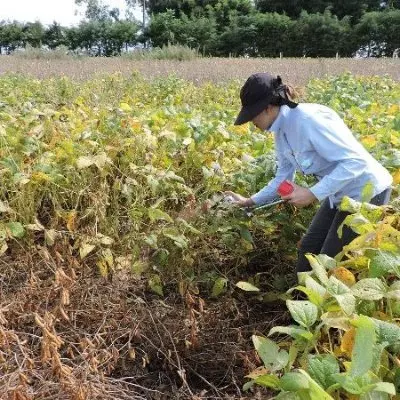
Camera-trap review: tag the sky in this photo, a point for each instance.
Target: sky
(65, 12)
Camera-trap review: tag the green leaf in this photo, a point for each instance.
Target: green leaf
(385, 262)
(245, 234)
(361, 360)
(349, 205)
(358, 223)
(336, 287)
(16, 229)
(294, 381)
(287, 396)
(372, 212)
(374, 395)
(321, 368)
(266, 349)
(396, 379)
(304, 313)
(293, 331)
(272, 356)
(179, 239)
(155, 214)
(369, 289)
(219, 287)
(352, 384)
(248, 385)
(315, 392)
(313, 290)
(385, 387)
(152, 240)
(327, 262)
(247, 287)
(368, 192)
(188, 226)
(155, 285)
(313, 296)
(386, 332)
(347, 302)
(269, 381)
(318, 268)
(315, 286)
(342, 294)
(394, 291)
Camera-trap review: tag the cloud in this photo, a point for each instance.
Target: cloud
(65, 12)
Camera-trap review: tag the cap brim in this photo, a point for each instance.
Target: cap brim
(247, 113)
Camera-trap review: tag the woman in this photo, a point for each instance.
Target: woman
(313, 140)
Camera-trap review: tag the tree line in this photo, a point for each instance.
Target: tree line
(265, 28)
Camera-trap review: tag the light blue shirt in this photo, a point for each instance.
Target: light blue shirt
(313, 140)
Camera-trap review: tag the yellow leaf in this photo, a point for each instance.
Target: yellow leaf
(257, 372)
(40, 177)
(125, 107)
(348, 341)
(394, 140)
(103, 268)
(344, 275)
(85, 249)
(396, 177)
(71, 221)
(369, 140)
(347, 366)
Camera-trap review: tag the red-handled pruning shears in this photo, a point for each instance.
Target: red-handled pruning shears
(284, 189)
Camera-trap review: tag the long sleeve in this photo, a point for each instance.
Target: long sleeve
(285, 171)
(333, 141)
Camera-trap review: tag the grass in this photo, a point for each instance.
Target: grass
(170, 52)
(295, 71)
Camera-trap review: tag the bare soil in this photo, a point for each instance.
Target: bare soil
(68, 333)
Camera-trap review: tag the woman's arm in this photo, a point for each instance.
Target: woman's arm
(335, 143)
(285, 171)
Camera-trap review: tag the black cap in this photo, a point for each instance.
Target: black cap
(258, 92)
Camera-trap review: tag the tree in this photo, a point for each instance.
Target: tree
(118, 35)
(262, 35)
(196, 32)
(320, 35)
(340, 8)
(33, 34)
(10, 36)
(96, 10)
(54, 36)
(378, 33)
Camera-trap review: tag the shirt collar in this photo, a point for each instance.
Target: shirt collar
(279, 119)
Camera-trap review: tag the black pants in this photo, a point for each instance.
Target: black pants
(322, 237)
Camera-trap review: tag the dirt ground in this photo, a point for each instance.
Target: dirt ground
(68, 333)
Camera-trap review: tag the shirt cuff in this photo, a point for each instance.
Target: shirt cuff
(261, 198)
(257, 198)
(319, 191)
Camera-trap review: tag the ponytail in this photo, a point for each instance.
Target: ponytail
(284, 94)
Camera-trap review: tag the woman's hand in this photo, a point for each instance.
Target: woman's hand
(240, 200)
(300, 197)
